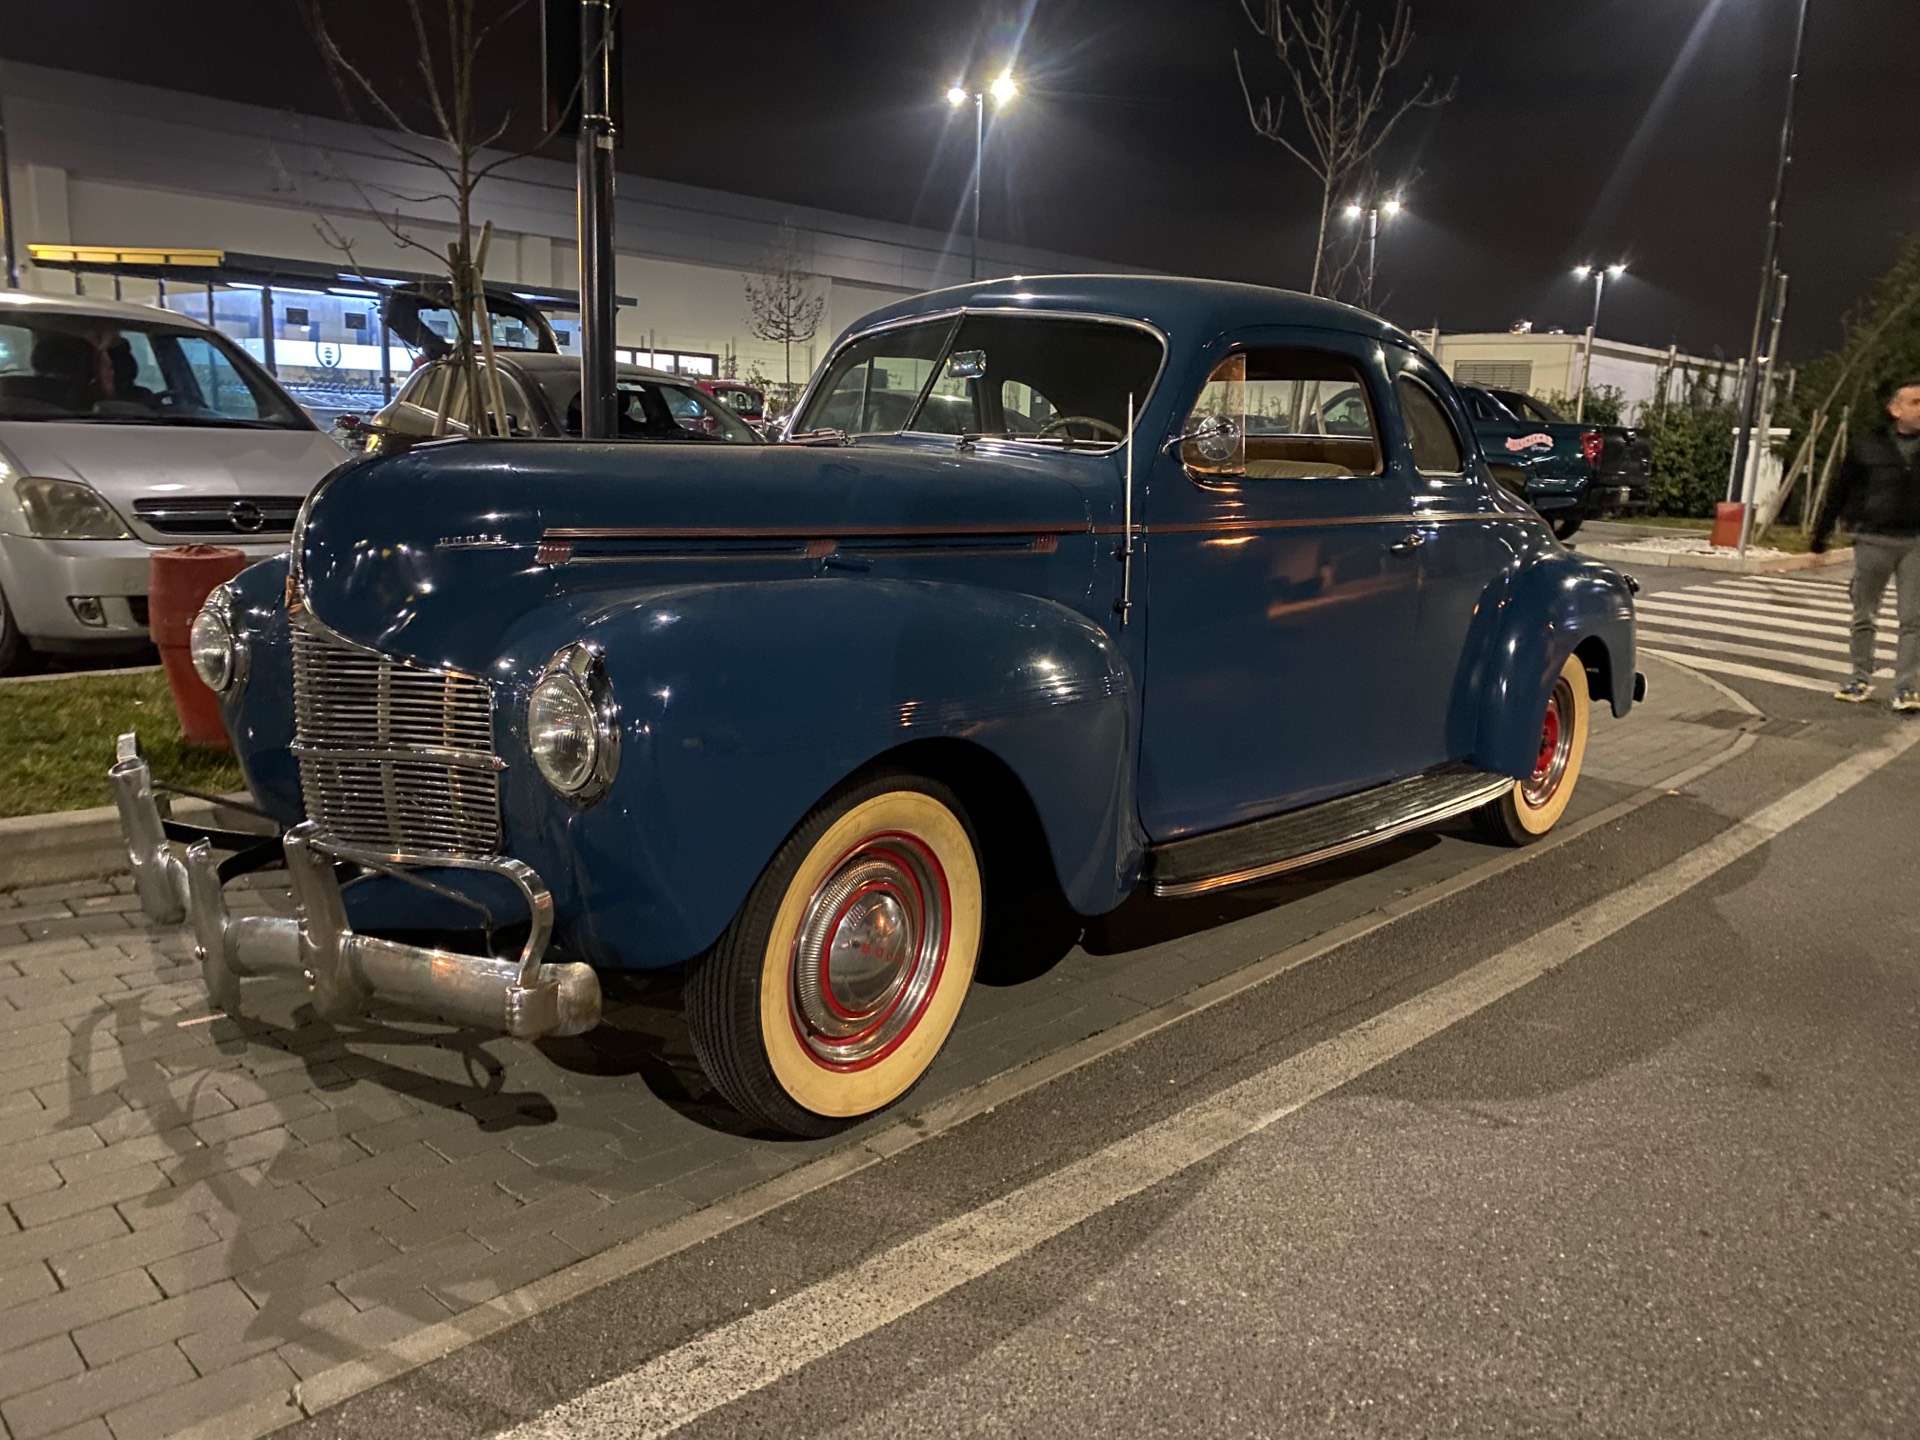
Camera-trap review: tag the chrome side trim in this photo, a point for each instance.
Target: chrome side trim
(1209, 883)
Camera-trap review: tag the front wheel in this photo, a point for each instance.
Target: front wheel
(1532, 807)
(835, 986)
(15, 657)
(1565, 527)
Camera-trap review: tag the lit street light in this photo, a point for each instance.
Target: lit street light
(1002, 90)
(1599, 275)
(1373, 210)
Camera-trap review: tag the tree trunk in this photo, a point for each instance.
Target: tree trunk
(1320, 239)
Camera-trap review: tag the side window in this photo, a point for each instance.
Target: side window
(1024, 409)
(1436, 448)
(1283, 414)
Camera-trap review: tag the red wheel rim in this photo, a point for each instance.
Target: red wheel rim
(1556, 748)
(868, 955)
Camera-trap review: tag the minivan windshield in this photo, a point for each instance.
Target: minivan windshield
(1057, 379)
(120, 370)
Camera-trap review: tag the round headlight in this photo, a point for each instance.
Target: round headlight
(560, 731)
(211, 644)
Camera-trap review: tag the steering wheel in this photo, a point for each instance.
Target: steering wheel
(1092, 422)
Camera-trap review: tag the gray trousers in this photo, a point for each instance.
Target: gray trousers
(1876, 560)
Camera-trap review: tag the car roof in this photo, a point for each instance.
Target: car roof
(88, 305)
(544, 362)
(1175, 305)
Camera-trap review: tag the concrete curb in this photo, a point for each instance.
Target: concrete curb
(84, 844)
(1660, 559)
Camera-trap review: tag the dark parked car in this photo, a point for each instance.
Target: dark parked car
(1570, 472)
(1024, 603)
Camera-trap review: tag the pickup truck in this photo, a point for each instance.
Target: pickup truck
(1569, 472)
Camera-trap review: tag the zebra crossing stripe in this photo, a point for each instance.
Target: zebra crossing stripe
(1738, 618)
(1838, 604)
(1758, 652)
(1752, 632)
(1745, 672)
(1838, 619)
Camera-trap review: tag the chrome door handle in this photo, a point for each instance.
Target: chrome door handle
(1407, 546)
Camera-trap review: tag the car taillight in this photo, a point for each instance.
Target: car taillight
(1591, 444)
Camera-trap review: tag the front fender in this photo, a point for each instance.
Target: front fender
(741, 706)
(1554, 606)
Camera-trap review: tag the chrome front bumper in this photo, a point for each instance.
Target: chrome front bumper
(526, 997)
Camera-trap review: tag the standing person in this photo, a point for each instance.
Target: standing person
(1877, 496)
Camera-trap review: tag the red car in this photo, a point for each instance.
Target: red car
(743, 399)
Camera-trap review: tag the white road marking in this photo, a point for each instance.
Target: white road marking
(1838, 612)
(1745, 672)
(1732, 615)
(746, 1355)
(1677, 621)
(1755, 652)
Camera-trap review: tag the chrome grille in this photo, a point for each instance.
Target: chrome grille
(393, 757)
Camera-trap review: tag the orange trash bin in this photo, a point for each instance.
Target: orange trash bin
(178, 583)
(1726, 523)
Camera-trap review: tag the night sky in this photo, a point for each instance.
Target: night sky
(1583, 129)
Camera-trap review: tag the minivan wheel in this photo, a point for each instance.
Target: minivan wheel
(838, 982)
(15, 657)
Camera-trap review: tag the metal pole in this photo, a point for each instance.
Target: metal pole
(1586, 366)
(594, 163)
(266, 330)
(386, 357)
(1373, 241)
(979, 159)
(1752, 482)
(6, 206)
(1749, 387)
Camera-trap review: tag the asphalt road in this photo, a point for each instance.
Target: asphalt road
(1620, 1141)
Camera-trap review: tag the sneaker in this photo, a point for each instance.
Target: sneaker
(1856, 691)
(1906, 698)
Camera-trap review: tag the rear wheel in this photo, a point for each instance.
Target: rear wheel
(834, 988)
(1565, 527)
(1532, 807)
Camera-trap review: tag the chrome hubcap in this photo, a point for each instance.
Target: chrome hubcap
(1556, 748)
(869, 950)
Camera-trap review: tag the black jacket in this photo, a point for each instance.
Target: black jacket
(1876, 492)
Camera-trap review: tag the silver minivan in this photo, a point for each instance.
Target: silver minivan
(124, 429)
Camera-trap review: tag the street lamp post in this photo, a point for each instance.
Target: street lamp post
(1750, 382)
(1599, 275)
(1003, 89)
(1372, 211)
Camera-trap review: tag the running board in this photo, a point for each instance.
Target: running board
(1263, 848)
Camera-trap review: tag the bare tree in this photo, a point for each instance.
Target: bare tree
(444, 131)
(781, 306)
(1341, 111)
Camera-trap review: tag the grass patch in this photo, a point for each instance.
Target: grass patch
(56, 741)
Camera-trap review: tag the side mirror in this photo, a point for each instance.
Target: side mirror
(966, 364)
(1213, 440)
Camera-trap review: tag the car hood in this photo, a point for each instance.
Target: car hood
(128, 462)
(435, 553)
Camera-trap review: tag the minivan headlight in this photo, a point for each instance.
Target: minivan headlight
(573, 725)
(66, 510)
(219, 652)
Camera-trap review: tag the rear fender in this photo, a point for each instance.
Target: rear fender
(741, 706)
(1552, 608)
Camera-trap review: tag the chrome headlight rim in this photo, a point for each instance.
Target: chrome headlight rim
(580, 667)
(217, 611)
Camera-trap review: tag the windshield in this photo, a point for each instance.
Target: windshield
(113, 370)
(656, 410)
(1053, 379)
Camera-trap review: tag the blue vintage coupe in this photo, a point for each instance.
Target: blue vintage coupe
(1098, 583)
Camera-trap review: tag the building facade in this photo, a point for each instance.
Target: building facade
(1551, 364)
(104, 163)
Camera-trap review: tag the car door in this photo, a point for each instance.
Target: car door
(1283, 590)
(1468, 542)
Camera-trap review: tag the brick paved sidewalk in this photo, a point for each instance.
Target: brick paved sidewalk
(197, 1212)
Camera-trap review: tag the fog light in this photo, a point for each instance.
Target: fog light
(87, 609)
